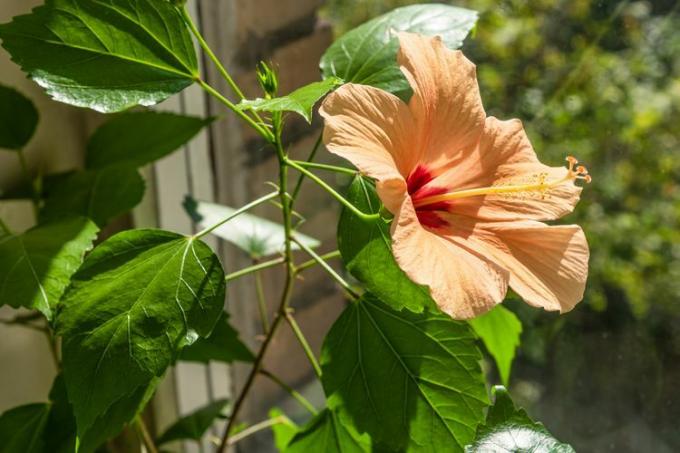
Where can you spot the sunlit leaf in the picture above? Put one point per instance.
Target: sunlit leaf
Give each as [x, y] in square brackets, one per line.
[367, 253]
[18, 119]
[101, 195]
[500, 330]
[327, 433]
[368, 53]
[300, 101]
[36, 266]
[138, 138]
[411, 381]
[254, 235]
[509, 429]
[194, 425]
[138, 298]
[284, 430]
[107, 55]
[223, 345]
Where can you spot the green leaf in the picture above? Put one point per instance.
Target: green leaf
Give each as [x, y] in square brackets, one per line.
[138, 298]
[368, 53]
[509, 429]
[254, 235]
[284, 430]
[22, 429]
[18, 119]
[367, 253]
[107, 55]
[138, 138]
[411, 381]
[101, 195]
[36, 266]
[60, 432]
[223, 345]
[500, 331]
[194, 425]
[300, 101]
[327, 433]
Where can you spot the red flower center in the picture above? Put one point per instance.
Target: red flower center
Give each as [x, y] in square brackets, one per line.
[428, 215]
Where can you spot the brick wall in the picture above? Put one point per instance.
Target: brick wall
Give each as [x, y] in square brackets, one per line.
[289, 34]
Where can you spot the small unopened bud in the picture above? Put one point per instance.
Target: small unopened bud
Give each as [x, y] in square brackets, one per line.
[268, 79]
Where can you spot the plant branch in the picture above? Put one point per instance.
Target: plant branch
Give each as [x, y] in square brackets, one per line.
[327, 268]
[291, 391]
[256, 428]
[336, 195]
[303, 342]
[310, 158]
[236, 213]
[254, 268]
[307, 264]
[144, 435]
[265, 133]
[333, 168]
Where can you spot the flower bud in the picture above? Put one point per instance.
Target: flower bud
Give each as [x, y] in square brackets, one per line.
[268, 79]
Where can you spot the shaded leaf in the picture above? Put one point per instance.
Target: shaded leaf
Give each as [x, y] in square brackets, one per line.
[22, 429]
[107, 55]
[300, 101]
[327, 433]
[101, 195]
[509, 429]
[135, 302]
[368, 53]
[367, 253]
[500, 331]
[194, 425]
[411, 381]
[223, 345]
[18, 119]
[138, 138]
[36, 266]
[60, 432]
[254, 235]
[283, 431]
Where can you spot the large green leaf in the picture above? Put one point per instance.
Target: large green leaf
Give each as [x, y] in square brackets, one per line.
[223, 345]
[138, 298]
[194, 425]
[509, 429]
[60, 432]
[100, 195]
[138, 138]
[36, 266]
[412, 381]
[367, 253]
[300, 101]
[107, 55]
[284, 430]
[18, 119]
[500, 330]
[368, 53]
[22, 429]
[254, 235]
[327, 433]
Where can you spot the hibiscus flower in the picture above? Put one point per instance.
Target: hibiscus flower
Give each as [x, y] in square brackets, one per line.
[467, 191]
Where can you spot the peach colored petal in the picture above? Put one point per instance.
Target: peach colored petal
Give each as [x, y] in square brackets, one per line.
[548, 264]
[462, 283]
[505, 156]
[446, 103]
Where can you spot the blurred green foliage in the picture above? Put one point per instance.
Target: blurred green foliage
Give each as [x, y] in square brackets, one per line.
[599, 80]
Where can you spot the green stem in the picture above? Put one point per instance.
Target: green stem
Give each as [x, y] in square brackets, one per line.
[254, 268]
[236, 213]
[307, 264]
[327, 268]
[265, 133]
[291, 391]
[303, 342]
[35, 196]
[256, 428]
[145, 436]
[336, 195]
[310, 158]
[334, 168]
[261, 301]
